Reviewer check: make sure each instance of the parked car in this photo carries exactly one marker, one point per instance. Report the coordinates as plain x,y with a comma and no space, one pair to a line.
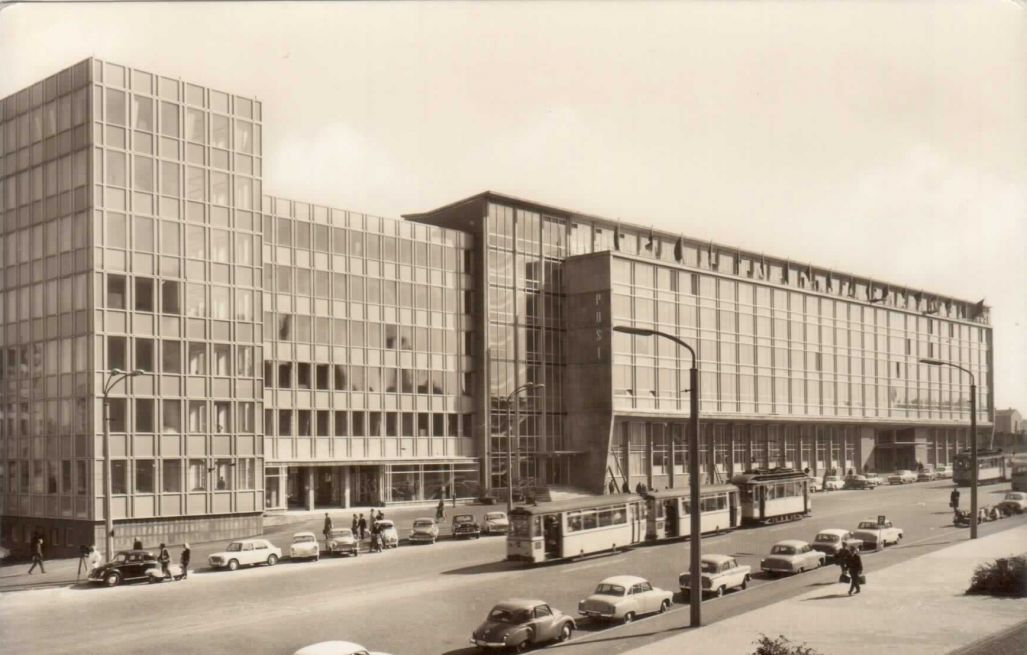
624,597
1015,502
832,540
336,648
926,475
342,542
246,552
833,483
791,556
425,530
944,471
874,478
131,566
464,526
876,533
815,484
719,574
495,523
857,482
304,546
902,476
519,624
390,536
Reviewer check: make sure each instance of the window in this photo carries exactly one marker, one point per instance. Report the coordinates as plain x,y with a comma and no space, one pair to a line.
116,353
145,472
118,409
247,478
245,416
221,359
197,359
197,416
223,470
144,414
144,354
170,297
197,475
144,294
171,356
171,416
115,291
119,476
171,475
222,416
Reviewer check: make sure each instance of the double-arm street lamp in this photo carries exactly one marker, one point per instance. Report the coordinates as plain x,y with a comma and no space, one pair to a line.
510,437
115,376
694,537
973,438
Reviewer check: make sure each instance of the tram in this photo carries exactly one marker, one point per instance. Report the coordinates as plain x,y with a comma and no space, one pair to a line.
575,527
774,495
668,516
992,466
1020,473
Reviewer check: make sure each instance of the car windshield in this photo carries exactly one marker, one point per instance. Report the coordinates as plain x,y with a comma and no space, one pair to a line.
832,478
423,523
827,538
709,567
385,525
303,539
121,557
610,589
782,550
234,546
868,525
902,472
495,516
505,615
1014,496
342,532
463,518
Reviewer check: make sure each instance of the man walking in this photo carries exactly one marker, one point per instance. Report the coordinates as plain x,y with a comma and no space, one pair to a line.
184,560
164,557
362,524
954,499
355,527
327,529
855,564
37,555
440,511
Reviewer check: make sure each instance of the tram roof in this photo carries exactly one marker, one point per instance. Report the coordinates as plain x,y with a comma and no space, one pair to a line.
572,504
684,492
767,475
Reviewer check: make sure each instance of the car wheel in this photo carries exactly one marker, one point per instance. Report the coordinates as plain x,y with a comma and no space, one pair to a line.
802,569
272,560
112,580
664,606
629,617
720,591
317,558
745,582
152,579
233,565
566,632
524,645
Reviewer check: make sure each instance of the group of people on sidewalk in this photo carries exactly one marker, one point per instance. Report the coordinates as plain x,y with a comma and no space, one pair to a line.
164,558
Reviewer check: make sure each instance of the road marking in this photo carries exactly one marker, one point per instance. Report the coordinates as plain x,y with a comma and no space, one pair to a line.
581,567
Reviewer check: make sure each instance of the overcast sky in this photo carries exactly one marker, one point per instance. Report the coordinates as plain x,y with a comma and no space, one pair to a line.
885,139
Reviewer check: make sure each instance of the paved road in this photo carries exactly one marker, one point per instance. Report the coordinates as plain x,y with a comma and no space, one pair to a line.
427,599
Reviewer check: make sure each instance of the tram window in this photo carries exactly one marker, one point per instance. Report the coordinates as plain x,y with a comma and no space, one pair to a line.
685,508
588,520
574,522
536,526
708,504
604,518
618,516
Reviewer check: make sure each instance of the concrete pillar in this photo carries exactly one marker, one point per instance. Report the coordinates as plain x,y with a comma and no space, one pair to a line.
310,488
346,495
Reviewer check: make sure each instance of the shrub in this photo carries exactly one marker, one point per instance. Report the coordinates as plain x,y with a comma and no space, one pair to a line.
781,646
1006,576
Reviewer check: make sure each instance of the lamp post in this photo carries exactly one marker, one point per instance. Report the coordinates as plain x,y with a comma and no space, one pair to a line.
973,438
510,438
115,376
694,537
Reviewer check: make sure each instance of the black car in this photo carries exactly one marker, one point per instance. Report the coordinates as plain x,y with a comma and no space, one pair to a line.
464,526
128,566
858,482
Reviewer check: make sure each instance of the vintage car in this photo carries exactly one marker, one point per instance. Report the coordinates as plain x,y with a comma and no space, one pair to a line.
833,540
336,648
387,529
877,533
944,471
464,526
131,566
304,546
858,482
520,624
424,531
902,476
495,523
624,597
926,475
342,542
815,484
719,574
246,552
833,483
875,478
791,556
1014,502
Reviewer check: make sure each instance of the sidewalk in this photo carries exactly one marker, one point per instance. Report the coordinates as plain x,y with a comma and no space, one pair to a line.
916,607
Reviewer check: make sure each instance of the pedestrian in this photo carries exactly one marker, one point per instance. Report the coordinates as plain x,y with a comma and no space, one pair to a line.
137,544
842,560
164,557
627,487
362,524
327,527
612,487
855,564
440,511
954,499
355,526
37,555
452,495
381,516
184,558
93,559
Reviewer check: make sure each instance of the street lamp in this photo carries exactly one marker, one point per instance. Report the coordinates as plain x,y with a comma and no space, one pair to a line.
973,438
510,437
694,538
115,376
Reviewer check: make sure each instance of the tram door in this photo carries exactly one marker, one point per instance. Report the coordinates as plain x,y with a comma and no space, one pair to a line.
670,507
732,503
761,492
551,535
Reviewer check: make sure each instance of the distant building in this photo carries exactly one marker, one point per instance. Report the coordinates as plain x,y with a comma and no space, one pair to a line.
1008,421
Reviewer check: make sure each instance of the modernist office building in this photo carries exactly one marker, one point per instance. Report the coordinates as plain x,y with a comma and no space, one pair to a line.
299,354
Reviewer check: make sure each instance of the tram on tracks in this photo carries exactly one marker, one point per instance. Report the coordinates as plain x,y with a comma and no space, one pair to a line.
1020,473
993,465
668,514
773,496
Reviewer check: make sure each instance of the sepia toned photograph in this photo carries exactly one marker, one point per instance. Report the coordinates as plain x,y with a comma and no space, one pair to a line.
456,328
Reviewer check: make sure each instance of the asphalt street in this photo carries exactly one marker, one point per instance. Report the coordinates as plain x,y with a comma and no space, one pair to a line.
427,599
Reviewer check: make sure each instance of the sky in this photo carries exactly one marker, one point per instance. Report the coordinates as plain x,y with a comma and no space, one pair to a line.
886,139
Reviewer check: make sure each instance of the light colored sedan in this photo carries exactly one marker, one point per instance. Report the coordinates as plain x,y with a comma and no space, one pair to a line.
246,552
902,476
791,556
341,541
1015,502
833,540
495,523
336,648
304,546
877,534
624,597
390,537
424,530
833,483
719,573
